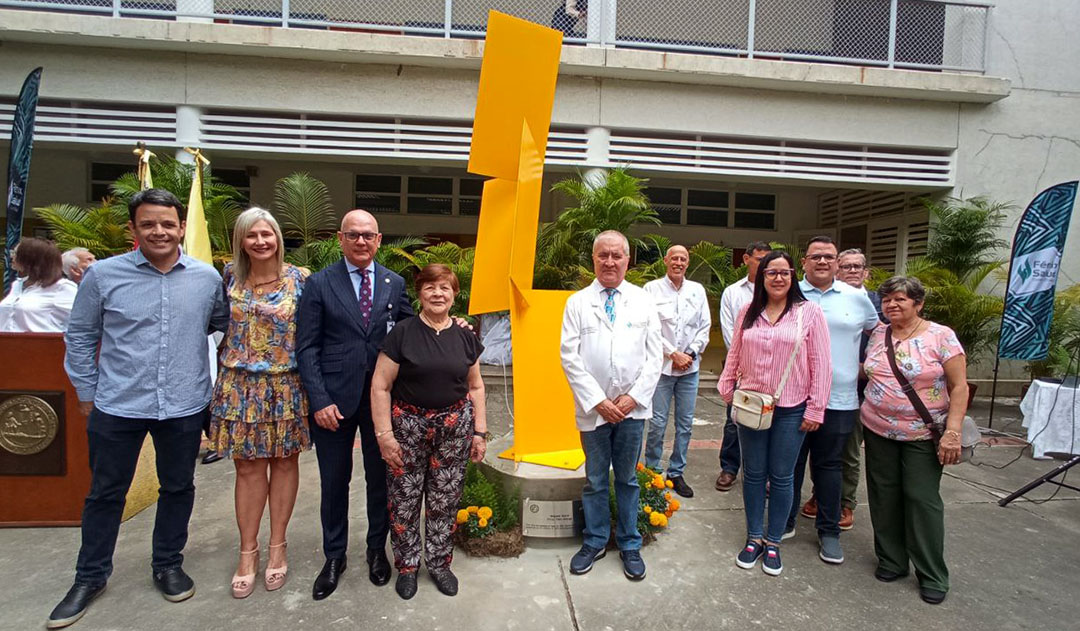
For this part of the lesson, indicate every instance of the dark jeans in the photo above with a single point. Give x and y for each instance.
(615, 448)
(115, 443)
(334, 450)
(770, 455)
(729, 449)
(903, 485)
(825, 448)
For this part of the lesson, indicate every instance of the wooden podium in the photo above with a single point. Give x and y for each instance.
(44, 470)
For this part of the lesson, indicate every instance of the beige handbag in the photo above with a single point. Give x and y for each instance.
(754, 410)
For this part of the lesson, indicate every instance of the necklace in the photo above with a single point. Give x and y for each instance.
(918, 325)
(438, 329)
(258, 287)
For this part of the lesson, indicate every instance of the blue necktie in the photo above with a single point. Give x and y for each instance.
(609, 304)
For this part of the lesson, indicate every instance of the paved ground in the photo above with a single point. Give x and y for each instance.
(1012, 568)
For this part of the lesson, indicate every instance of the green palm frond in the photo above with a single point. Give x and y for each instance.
(302, 205)
(102, 229)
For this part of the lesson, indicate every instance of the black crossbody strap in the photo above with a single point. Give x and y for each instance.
(905, 385)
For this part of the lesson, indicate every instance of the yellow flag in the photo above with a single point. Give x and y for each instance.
(197, 235)
(145, 180)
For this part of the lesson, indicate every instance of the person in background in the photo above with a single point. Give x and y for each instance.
(259, 411)
(42, 301)
(76, 260)
(903, 461)
(567, 15)
(427, 403)
(848, 313)
(612, 354)
(683, 308)
(150, 311)
(777, 324)
(16, 285)
(735, 297)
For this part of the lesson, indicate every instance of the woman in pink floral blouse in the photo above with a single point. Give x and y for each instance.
(903, 463)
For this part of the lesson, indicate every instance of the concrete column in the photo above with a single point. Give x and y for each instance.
(195, 11)
(597, 154)
(187, 131)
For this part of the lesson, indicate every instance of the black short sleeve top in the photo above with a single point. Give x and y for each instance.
(433, 367)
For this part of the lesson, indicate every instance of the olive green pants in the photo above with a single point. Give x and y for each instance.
(851, 457)
(903, 480)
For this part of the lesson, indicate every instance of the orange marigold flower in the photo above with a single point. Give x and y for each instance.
(667, 496)
(462, 516)
(669, 484)
(655, 518)
(667, 513)
(663, 520)
(483, 522)
(473, 509)
(484, 512)
(658, 482)
(640, 467)
(647, 509)
(674, 505)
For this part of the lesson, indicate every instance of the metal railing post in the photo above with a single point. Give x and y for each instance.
(892, 32)
(751, 23)
(285, 13)
(448, 15)
(116, 8)
(986, 37)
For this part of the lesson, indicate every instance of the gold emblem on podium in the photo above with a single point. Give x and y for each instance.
(27, 425)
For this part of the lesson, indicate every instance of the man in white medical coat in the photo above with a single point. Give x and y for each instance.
(612, 354)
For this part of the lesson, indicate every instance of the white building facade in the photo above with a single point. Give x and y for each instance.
(752, 119)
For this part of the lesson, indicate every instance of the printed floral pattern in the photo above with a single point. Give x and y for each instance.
(887, 411)
(259, 409)
(435, 448)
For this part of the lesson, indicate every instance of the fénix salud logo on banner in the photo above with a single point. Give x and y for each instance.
(1034, 272)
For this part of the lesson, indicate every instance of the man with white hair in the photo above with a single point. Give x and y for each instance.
(75, 262)
(612, 354)
(683, 308)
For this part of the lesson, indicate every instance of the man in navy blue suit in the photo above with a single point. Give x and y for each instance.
(345, 313)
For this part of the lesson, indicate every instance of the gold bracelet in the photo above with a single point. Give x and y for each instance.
(953, 431)
(385, 431)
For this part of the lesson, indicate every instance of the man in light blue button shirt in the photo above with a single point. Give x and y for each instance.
(848, 313)
(150, 311)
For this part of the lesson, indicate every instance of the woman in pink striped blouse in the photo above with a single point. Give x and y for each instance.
(760, 351)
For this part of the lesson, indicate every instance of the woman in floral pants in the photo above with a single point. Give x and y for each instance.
(427, 402)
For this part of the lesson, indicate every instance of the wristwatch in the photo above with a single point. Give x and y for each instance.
(692, 354)
(483, 435)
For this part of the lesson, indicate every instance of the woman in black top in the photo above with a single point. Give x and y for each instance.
(427, 402)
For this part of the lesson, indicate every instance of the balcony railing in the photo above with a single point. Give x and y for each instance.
(915, 34)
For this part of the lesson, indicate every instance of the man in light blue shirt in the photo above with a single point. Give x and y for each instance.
(150, 311)
(848, 313)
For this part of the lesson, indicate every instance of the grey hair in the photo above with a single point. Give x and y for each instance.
(70, 259)
(907, 284)
(612, 235)
(247, 219)
(852, 252)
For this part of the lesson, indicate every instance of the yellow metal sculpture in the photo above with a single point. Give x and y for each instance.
(513, 114)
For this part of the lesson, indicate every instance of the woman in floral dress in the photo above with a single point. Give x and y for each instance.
(427, 402)
(903, 464)
(259, 410)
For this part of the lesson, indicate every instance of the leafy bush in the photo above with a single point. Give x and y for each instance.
(479, 493)
(655, 502)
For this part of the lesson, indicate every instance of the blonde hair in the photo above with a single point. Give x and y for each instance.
(244, 223)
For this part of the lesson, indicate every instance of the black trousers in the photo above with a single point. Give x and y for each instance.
(334, 450)
(115, 443)
(825, 450)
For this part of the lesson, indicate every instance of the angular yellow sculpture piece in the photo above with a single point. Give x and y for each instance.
(517, 91)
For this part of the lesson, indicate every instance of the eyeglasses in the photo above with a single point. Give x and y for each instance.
(782, 273)
(356, 236)
(853, 267)
(829, 258)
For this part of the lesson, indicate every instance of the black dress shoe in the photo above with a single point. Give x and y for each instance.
(885, 576)
(74, 605)
(931, 596)
(211, 457)
(406, 585)
(174, 584)
(679, 485)
(327, 580)
(444, 580)
(378, 566)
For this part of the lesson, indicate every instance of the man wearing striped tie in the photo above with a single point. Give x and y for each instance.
(612, 354)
